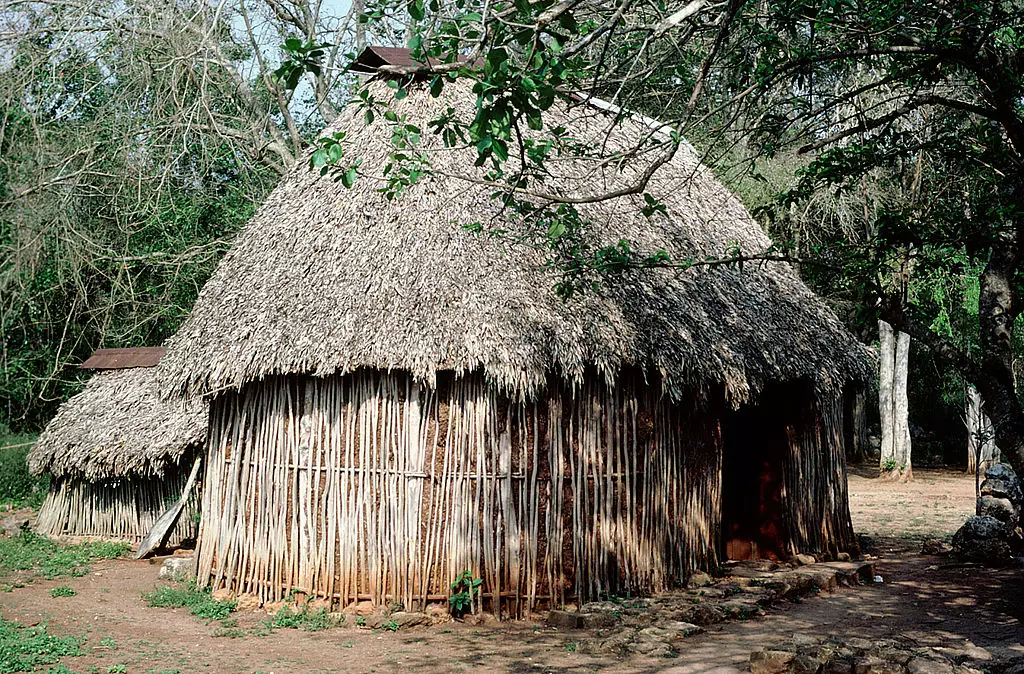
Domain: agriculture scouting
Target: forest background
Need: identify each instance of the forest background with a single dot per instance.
(136, 139)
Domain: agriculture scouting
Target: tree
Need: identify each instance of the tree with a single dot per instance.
(942, 84)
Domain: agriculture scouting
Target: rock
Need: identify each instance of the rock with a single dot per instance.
(936, 547)
(837, 666)
(567, 620)
(247, 602)
(274, 607)
(702, 614)
(699, 579)
(876, 665)
(593, 621)
(178, 568)
(771, 662)
(14, 524)
(1003, 487)
(804, 560)
(438, 614)
(600, 607)
(318, 604)
(843, 557)
(363, 608)
(480, 619)
(1003, 509)
(222, 595)
(410, 618)
(681, 628)
(929, 666)
(805, 663)
(986, 540)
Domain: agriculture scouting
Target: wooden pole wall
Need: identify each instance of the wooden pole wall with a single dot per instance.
(371, 487)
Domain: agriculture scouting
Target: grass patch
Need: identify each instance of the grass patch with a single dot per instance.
(19, 489)
(42, 557)
(25, 649)
(63, 591)
(198, 601)
(309, 620)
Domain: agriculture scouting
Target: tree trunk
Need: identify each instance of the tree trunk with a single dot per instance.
(997, 311)
(893, 405)
(982, 450)
(856, 419)
(886, 367)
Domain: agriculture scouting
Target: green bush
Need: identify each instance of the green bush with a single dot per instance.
(198, 601)
(310, 620)
(18, 488)
(25, 649)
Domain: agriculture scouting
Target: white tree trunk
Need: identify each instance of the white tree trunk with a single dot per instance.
(982, 451)
(893, 408)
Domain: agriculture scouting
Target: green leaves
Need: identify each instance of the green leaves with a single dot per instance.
(300, 57)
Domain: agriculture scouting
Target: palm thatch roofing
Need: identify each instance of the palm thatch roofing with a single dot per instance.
(119, 427)
(328, 280)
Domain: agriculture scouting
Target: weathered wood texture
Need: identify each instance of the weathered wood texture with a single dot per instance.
(371, 487)
(123, 509)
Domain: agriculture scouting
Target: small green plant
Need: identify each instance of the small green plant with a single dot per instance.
(117, 669)
(26, 649)
(198, 601)
(29, 555)
(391, 626)
(361, 621)
(63, 591)
(309, 620)
(571, 648)
(464, 588)
(108, 643)
(889, 465)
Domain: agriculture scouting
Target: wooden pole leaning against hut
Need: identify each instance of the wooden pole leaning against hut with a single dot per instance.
(395, 401)
(118, 455)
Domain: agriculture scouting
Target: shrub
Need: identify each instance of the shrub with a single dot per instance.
(198, 601)
(63, 591)
(19, 489)
(310, 620)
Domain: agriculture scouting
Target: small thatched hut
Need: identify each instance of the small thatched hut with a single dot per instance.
(118, 454)
(395, 400)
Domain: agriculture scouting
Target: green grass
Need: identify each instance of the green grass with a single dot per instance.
(63, 591)
(18, 489)
(41, 557)
(309, 620)
(25, 649)
(198, 601)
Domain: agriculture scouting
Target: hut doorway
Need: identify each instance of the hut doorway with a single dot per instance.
(755, 450)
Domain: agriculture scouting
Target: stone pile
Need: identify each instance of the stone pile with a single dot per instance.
(835, 655)
(993, 535)
(655, 626)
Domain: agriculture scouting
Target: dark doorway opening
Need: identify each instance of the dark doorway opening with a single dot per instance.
(755, 448)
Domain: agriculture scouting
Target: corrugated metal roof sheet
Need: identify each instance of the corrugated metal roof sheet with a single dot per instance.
(372, 58)
(120, 359)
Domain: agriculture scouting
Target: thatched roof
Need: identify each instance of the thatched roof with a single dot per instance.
(326, 279)
(119, 426)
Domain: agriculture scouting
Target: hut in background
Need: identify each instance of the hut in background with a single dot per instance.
(117, 454)
(395, 400)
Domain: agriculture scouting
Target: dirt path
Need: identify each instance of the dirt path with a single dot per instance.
(926, 598)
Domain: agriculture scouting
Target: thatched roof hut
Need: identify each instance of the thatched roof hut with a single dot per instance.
(419, 401)
(118, 453)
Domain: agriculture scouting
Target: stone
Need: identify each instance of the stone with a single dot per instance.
(480, 619)
(699, 579)
(247, 602)
(771, 662)
(1003, 509)
(986, 540)
(1003, 487)
(14, 524)
(681, 628)
(929, 666)
(805, 663)
(804, 560)
(936, 547)
(837, 666)
(318, 604)
(438, 613)
(274, 607)
(410, 618)
(178, 568)
(592, 621)
(222, 595)
(567, 620)
(843, 557)
(600, 607)
(876, 665)
(363, 608)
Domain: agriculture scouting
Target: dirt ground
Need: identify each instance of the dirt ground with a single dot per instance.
(931, 599)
